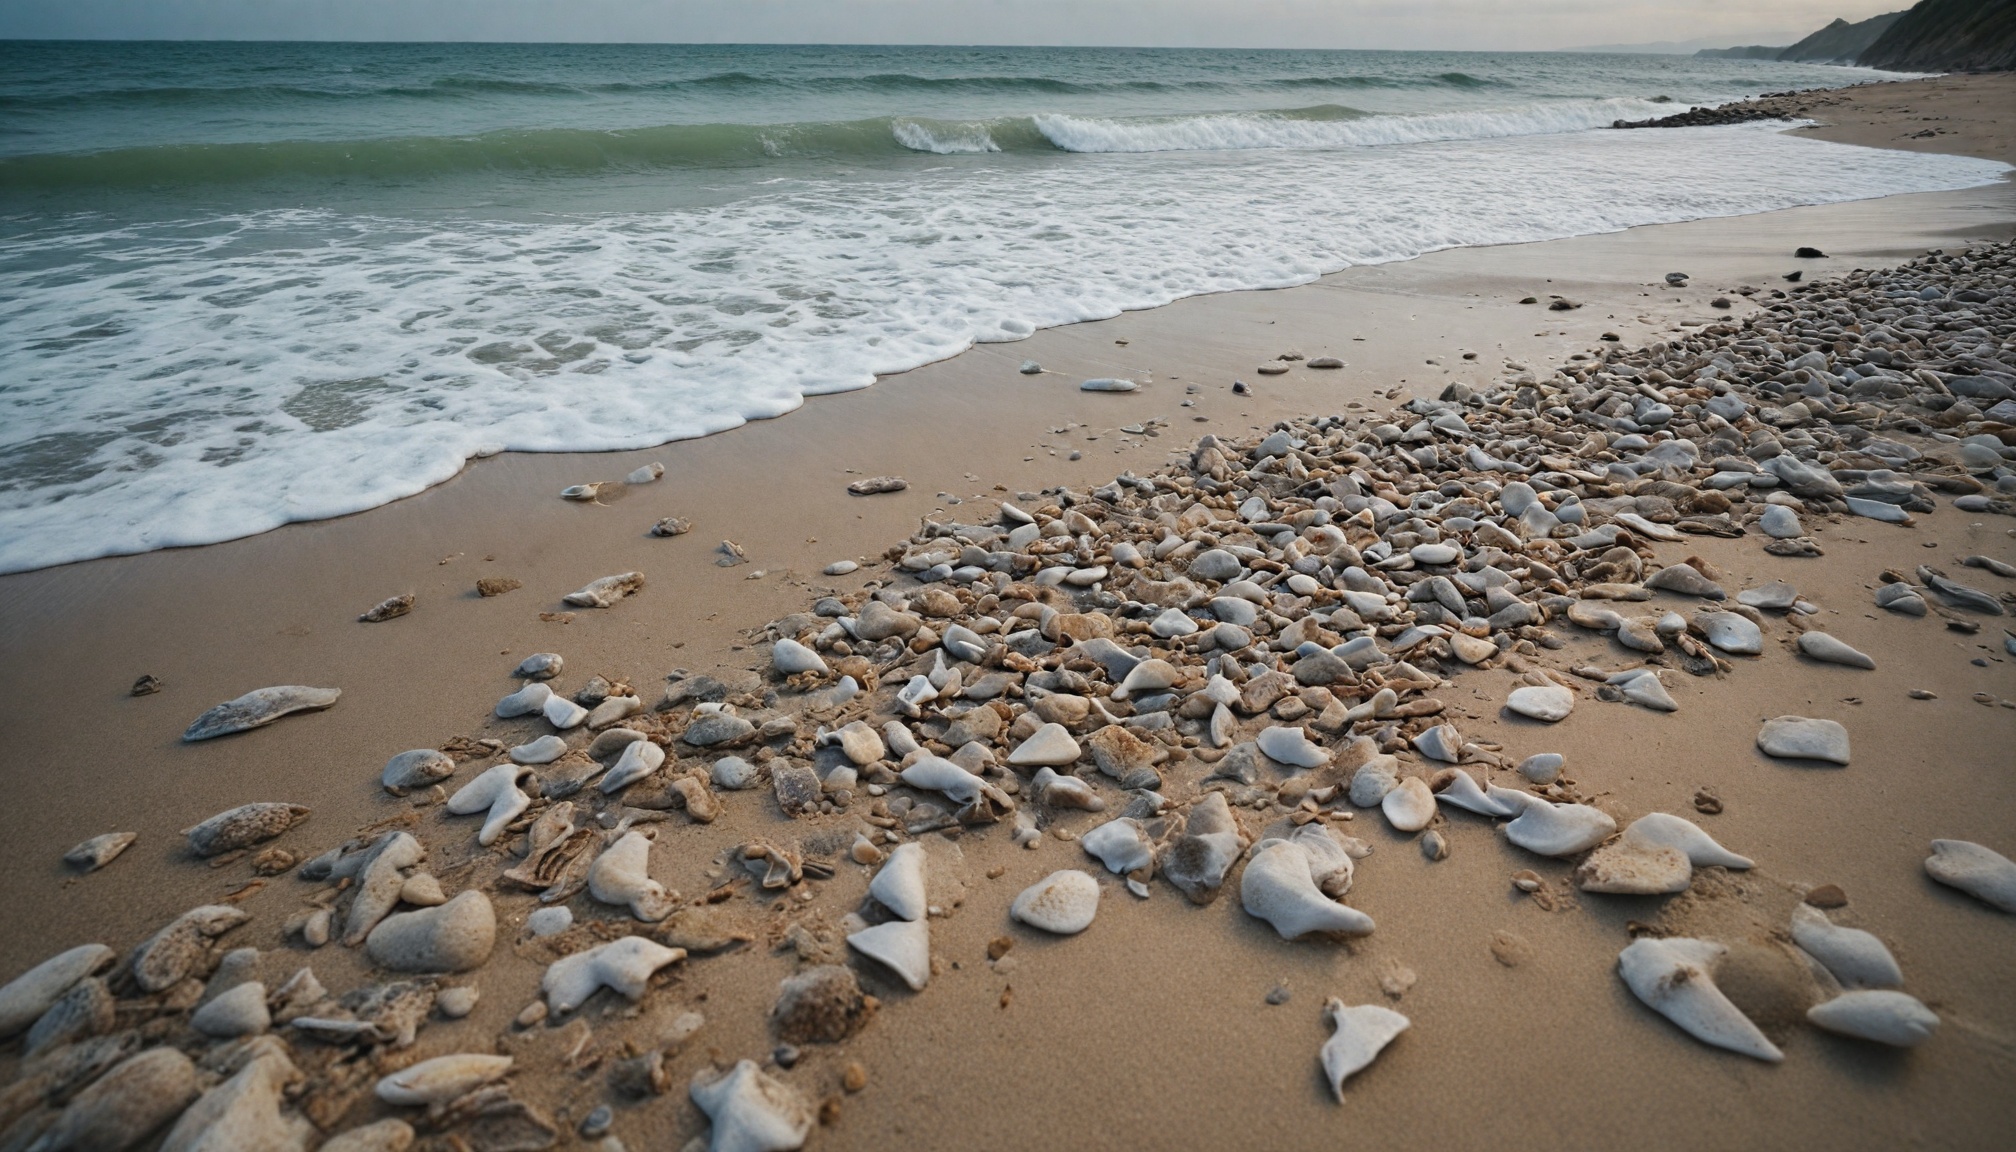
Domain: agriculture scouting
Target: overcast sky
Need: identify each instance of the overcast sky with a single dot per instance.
(1453, 24)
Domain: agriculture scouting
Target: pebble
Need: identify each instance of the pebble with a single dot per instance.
(1820, 646)
(258, 708)
(1801, 738)
(1543, 767)
(841, 568)
(1551, 703)
(1063, 903)
(1981, 872)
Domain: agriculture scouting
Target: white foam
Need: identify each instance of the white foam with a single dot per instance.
(943, 139)
(195, 381)
(1243, 130)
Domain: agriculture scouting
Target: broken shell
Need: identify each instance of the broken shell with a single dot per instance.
(416, 769)
(1559, 829)
(1672, 977)
(1362, 1032)
(1063, 902)
(751, 1111)
(902, 946)
(1441, 742)
(1982, 873)
(1196, 861)
(1455, 786)
(899, 886)
(1278, 887)
(99, 851)
(623, 965)
(620, 876)
(243, 826)
(1892, 1018)
(442, 1079)
(454, 937)
(388, 609)
(607, 591)
(1856, 958)
(257, 708)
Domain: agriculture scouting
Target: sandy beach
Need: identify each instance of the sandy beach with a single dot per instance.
(1165, 1024)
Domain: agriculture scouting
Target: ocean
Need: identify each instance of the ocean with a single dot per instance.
(245, 284)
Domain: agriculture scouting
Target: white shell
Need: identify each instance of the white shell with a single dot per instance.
(1463, 792)
(1559, 829)
(606, 591)
(1362, 1032)
(1278, 887)
(750, 1110)
(1892, 1018)
(525, 701)
(442, 1079)
(1291, 746)
(1330, 857)
(1122, 845)
(903, 946)
(1063, 902)
(1410, 806)
(1664, 830)
(1982, 873)
(625, 965)
(621, 876)
(1672, 977)
(29, 995)
(1052, 746)
(1856, 958)
(899, 886)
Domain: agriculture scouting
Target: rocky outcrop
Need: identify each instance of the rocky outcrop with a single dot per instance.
(1948, 36)
(1841, 42)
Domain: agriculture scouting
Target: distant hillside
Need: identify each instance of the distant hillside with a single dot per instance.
(1949, 36)
(1746, 52)
(1841, 42)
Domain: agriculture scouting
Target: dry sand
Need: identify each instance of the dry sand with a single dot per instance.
(1152, 1029)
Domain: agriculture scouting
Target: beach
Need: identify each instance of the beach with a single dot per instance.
(1164, 1023)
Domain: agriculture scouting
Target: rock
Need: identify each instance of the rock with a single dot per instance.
(1636, 870)
(1642, 686)
(496, 793)
(790, 658)
(1781, 523)
(624, 965)
(1457, 787)
(179, 950)
(1051, 745)
(732, 774)
(441, 1079)
(620, 876)
(881, 622)
(1856, 958)
(671, 526)
(1468, 649)
(418, 768)
(1737, 635)
(1197, 860)
(1820, 646)
(391, 1135)
(645, 474)
(1108, 384)
(1373, 780)
(1799, 738)
(750, 1111)
(604, 593)
(390, 609)
(127, 1104)
(1362, 1032)
(716, 728)
(1291, 746)
(1892, 1018)
(457, 1002)
(1442, 742)
(545, 750)
(899, 885)
(1673, 977)
(490, 586)
(1550, 703)
(820, 1005)
(1777, 595)
(1982, 873)
(244, 1113)
(1410, 806)
(1559, 829)
(1543, 767)
(455, 937)
(877, 485)
(99, 851)
(525, 701)
(1063, 903)
(258, 708)
(1216, 565)
(550, 921)
(640, 758)
(1686, 580)
(1121, 844)
(238, 1012)
(840, 568)
(1902, 599)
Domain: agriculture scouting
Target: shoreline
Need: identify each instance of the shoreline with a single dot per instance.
(218, 620)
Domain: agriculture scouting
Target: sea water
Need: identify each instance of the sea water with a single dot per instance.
(246, 284)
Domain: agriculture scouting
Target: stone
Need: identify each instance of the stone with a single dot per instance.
(441, 1079)
(1409, 806)
(624, 965)
(1107, 384)
(1674, 977)
(1855, 958)
(1278, 887)
(1820, 646)
(1982, 873)
(902, 946)
(1063, 903)
(750, 1110)
(1550, 703)
(258, 708)
(1800, 738)
(124, 1106)
(1361, 1033)
(1559, 829)
(455, 937)
(605, 592)
(99, 851)
(1543, 767)
(238, 1012)
(1051, 745)
(1780, 523)
(1892, 1018)
(418, 768)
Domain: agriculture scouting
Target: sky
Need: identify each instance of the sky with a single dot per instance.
(1490, 25)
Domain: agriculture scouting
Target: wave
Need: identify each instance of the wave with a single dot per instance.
(586, 151)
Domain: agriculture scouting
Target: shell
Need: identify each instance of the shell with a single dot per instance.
(607, 591)
(242, 827)
(180, 949)
(1063, 903)
(750, 1110)
(1982, 873)
(99, 851)
(35, 991)
(1672, 976)
(1856, 958)
(624, 965)
(1559, 829)
(257, 708)
(1891, 1018)
(899, 886)
(620, 876)
(454, 937)
(1459, 788)
(1122, 845)
(902, 946)
(416, 769)
(1362, 1032)
(1279, 887)
(125, 1105)
(442, 1079)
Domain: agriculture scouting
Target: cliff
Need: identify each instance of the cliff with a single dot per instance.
(1948, 36)
(1841, 42)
